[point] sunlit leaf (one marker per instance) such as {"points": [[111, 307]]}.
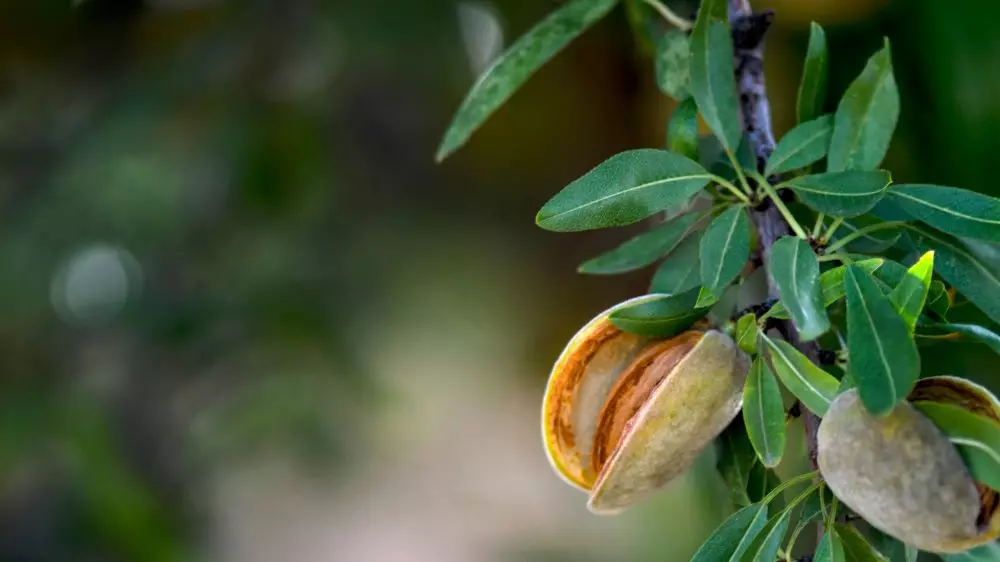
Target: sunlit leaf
{"points": [[662, 317], [802, 146], [959, 212], [812, 89], [976, 437], [866, 117], [672, 64], [963, 270], [747, 332], [681, 271], [883, 357], [841, 194], [641, 250], [725, 248], [711, 66], [813, 386], [682, 130], [731, 539], [764, 413], [626, 188], [794, 269], [910, 294], [512, 69]]}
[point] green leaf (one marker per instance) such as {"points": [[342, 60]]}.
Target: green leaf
{"points": [[711, 67], [831, 285], [956, 211], [765, 546], [747, 332], [892, 548], [883, 358], [764, 413], [870, 242], [841, 194], [812, 89], [736, 458], [662, 317], [812, 507], [986, 553], [625, 188], [795, 272], [976, 333], [866, 117], [725, 248], [801, 146], [813, 386], [682, 130], [673, 74], [681, 270], [731, 539], [937, 299], [642, 250], [963, 270], [830, 548], [856, 548], [910, 294], [976, 437], [513, 68]]}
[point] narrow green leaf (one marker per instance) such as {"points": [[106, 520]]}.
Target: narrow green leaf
{"points": [[672, 64], [831, 285], [963, 270], [747, 332], [986, 553], [682, 130], [711, 67], [973, 332], [795, 272], [910, 294], [767, 543], [764, 413], [956, 211], [841, 194], [976, 437], [725, 248], [641, 250], [681, 271], [856, 547], [726, 542], [736, 458], [625, 188], [830, 548], [884, 360], [513, 68], [662, 317], [813, 386], [801, 146], [812, 89], [866, 117]]}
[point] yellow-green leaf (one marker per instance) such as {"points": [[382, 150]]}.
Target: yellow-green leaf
{"points": [[747, 332], [910, 294], [682, 130]]}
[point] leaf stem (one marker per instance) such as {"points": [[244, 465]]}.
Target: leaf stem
{"points": [[739, 172], [833, 228], [862, 232], [785, 213], [669, 15], [818, 227], [786, 484], [729, 185]]}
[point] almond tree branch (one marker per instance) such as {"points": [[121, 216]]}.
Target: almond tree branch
{"points": [[748, 35]]}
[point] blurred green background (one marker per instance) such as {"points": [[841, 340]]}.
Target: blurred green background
{"points": [[245, 317]]}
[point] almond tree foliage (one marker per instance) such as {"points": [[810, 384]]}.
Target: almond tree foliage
{"points": [[860, 270]]}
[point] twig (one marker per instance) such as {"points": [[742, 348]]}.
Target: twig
{"points": [[748, 34]]}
